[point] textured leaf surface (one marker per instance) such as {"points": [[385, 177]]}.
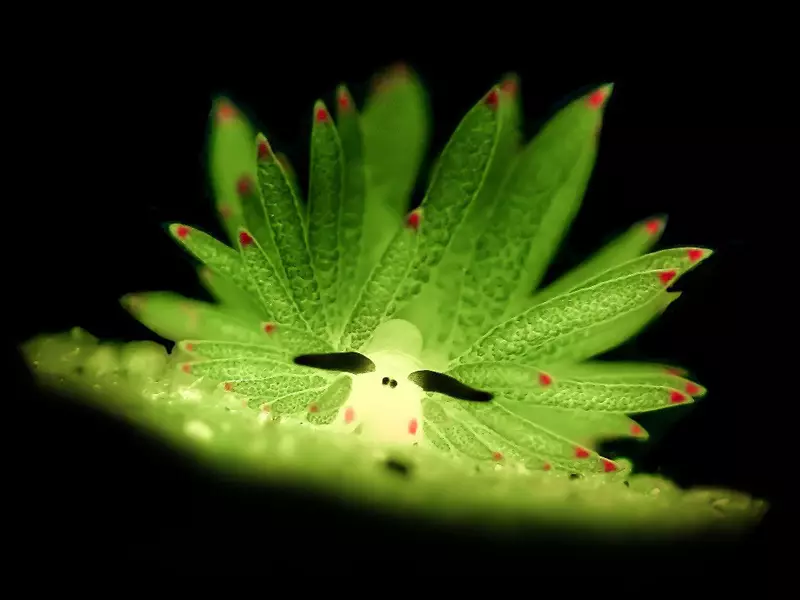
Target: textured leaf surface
{"points": [[379, 298], [326, 210], [519, 385], [628, 246], [218, 257], [446, 325], [540, 333], [231, 157], [274, 296], [349, 125], [498, 431], [454, 188], [539, 197], [226, 293], [175, 318], [288, 226]]}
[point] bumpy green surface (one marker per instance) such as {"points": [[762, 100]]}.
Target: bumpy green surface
{"points": [[451, 287]]}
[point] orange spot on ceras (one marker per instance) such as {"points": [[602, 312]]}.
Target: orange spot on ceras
{"points": [[413, 425], [182, 231], [694, 254], [667, 276], [492, 99], [676, 397], [497, 456], [313, 408], [225, 211], [189, 347], [264, 408], [596, 98], [245, 239], [547, 466], [245, 185], [414, 219], [322, 115], [269, 328], [636, 429], [228, 386], [186, 368], [545, 379], [608, 466], [226, 111], [344, 100], [581, 452], [692, 388], [510, 85], [264, 151], [349, 415]]}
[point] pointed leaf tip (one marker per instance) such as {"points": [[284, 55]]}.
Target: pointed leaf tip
{"points": [[321, 114], [343, 98], [599, 97]]}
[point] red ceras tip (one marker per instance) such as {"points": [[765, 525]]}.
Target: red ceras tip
{"points": [[547, 466], [413, 220], [269, 328], [189, 347], [182, 231], [228, 386], [491, 99], [695, 254], [598, 97], [676, 397], [322, 114], [312, 408], [349, 415], [667, 276], [609, 466], [581, 452], [692, 388], [545, 379], [263, 150], [636, 429], [245, 239], [413, 425], [225, 211], [653, 226], [186, 368], [497, 456]]}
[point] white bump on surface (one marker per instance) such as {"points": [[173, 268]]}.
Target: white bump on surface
{"points": [[198, 429]]}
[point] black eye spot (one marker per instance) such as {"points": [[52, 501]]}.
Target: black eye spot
{"points": [[627, 483], [392, 383], [398, 467], [385, 381], [574, 476]]}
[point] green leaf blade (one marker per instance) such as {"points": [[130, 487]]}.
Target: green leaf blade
{"points": [[231, 161], [349, 127], [176, 318], [628, 246], [218, 257], [288, 229], [325, 210], [378, 300], [536, 334]]}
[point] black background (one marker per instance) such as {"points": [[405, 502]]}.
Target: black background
{"points": [[124, 153]]}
